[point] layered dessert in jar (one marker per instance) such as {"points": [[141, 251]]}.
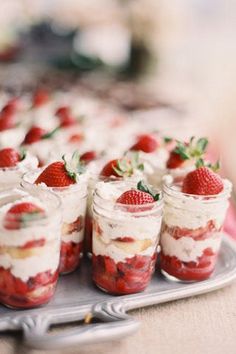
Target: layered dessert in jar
{"points": [[68, 180], [126, 168], [126, 224], [13, 164], [29, 247], [194, 213]]}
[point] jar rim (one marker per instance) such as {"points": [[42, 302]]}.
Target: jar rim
{"points": [[137, 209], [169, 188]]}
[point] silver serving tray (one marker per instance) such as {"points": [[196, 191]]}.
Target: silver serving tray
{"points": [[76, 296]]}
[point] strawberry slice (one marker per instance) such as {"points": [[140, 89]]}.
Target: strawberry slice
{"points": [[19, 214], [146, 143], [202, 181], [9, 157], [125, 239], [61, 173]]}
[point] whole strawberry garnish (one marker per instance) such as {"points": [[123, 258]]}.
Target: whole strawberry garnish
{"points": [[146, 143], [88, 156], [7, 121], [10, 157], [202, 181], [65, 116], [19, 214], [175, 160], [61, 173], [141, 195], [124, 167], [36, 133], [192, 150], [67, 121], [11, 106], [40, 98], [62, 111]]}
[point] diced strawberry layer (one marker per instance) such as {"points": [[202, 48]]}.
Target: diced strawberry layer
{"points": [[200, 233], [70, 256], [38, 290], [190, 271], [131, 276]]}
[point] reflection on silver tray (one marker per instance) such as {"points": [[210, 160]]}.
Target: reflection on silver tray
{"points": [[76, 296]]}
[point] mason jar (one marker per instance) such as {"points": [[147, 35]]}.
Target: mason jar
{"points": [[191, 232], [124, 240], [73, 203], [29, 248]]}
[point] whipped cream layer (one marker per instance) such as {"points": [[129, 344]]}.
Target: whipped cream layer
{"points": [[47, 260], [11, 177], [187, 211], [186, 249], [75, 237]]}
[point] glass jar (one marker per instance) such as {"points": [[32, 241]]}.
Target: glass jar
{"points": [[73, 203], [124, 240], [30, 250], [10, 177], [191, 232]]}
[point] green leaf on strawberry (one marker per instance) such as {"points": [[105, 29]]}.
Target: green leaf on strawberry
{"points": [[73, 165], [50, 134], [23, 153], [214, 167], [126, 166], [141, 186]]}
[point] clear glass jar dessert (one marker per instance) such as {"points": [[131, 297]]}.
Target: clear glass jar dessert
{"points": [[73, 203], [133, 171], [125, 240], [29, 247], [191, 232], [10, 177]]}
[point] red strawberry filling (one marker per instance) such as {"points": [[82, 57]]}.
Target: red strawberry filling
{"points": [[131, 276], [193, 270], [38, 290], [70, 256], [200, 233], [190, 271]]}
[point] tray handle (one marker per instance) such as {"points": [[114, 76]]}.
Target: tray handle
{"points": [[117, 324]]}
